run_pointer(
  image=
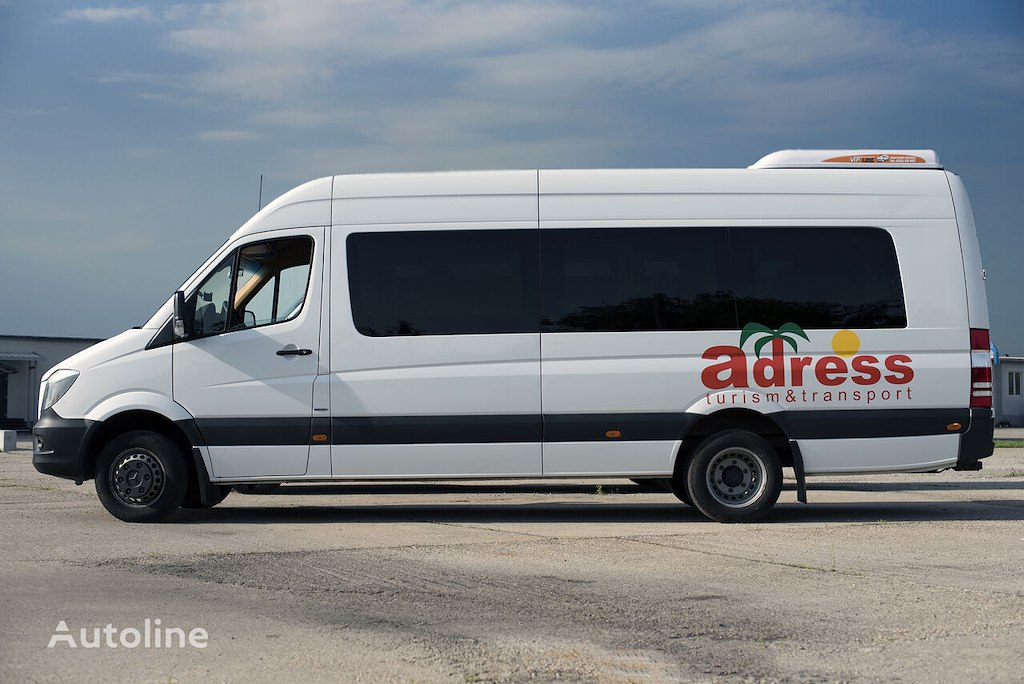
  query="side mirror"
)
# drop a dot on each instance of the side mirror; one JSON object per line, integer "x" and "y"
{"x": 179, "y": 328}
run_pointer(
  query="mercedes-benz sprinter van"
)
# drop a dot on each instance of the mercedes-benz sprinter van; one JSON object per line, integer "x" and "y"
{"x": 821, "y": 310}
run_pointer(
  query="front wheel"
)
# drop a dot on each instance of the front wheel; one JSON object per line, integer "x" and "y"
{"x": 734, "y": 476}
{"x": 141, "y": 477}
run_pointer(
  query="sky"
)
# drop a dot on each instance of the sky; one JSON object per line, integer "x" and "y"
{"x": 133, "y": 135}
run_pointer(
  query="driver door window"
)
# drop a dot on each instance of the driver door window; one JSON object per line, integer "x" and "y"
{"x": 269, "y": 286}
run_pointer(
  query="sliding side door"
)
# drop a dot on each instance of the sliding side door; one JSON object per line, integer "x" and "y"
{"x": 435, "y": 353}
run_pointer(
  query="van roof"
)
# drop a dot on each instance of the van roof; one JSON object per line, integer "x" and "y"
{"x": 404, "y": 194}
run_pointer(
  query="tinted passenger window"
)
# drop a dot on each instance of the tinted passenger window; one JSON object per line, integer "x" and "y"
{"x": 817, "y": 277}
{"x": 444, "y": 282}
{"x": 619, "y": 279}
{"x": 622, "y": 279}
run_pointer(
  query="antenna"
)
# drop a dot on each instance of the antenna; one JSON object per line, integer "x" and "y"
{"x": 259, "y": 202}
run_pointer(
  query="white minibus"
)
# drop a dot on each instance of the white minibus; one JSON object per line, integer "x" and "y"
{"x": 822, "y": 311}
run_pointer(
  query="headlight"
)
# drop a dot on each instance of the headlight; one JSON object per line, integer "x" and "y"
{"x": 55, "y": 386}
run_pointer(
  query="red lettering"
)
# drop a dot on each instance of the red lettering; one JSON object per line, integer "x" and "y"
{"x": 865, "y": 365}
{"x": 830, "y": 370}
{"x": 899, "y": 365}
{"x": 796, "y": 368}
{"x": 776, "y": 363}
{"x": 729, "y": 373}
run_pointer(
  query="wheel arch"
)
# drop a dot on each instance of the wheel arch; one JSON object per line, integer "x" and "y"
{"x": 734, "y": 419}
{"x": 100, "y": 433}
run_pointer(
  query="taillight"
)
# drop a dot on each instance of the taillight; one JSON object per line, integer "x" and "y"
{"x": 981, "y": 369}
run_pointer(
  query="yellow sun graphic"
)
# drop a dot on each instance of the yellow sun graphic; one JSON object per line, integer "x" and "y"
{"x": 845, "y": 343}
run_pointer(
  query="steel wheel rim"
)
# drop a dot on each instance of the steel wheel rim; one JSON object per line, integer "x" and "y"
{"x": 736, "y": 477}
{"x": 137, "y": 478}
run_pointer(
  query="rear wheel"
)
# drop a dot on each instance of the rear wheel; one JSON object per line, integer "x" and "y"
{"x": 141, "y": 477}
{"x": 733, "y": 476}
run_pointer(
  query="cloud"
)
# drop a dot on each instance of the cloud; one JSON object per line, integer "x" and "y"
{"x": 130, "y": 77}
{"x": 300, "y": 117}
{"x": 412, "y": 73}
{"x": 33, "y": 111}
{"x": 446, "y": 155}
{"x": 109, "y": 15}
{"x": 228, "y": 136}
{"x": 273, "y": 49}
{"x": 374, "y": 28}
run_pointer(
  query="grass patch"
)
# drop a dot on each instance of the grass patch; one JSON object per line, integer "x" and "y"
{"x": 1009, "y": 443}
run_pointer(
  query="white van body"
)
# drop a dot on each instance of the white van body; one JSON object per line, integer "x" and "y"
{"x": 325, "y": 391}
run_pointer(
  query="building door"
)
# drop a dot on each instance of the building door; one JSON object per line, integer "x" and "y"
{"x": 3, "y": 393}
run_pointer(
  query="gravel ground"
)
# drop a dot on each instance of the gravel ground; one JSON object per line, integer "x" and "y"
{"x": 916, "y": 578}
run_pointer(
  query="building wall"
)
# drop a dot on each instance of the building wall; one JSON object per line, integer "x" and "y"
{"x": 1007, "y": 407}
{"x": 23, "y": 386}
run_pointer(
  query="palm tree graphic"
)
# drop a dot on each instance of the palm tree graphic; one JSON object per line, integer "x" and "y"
{"x": 782, "y": 334}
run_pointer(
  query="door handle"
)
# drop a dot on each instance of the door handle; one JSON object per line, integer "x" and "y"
{"x": 294, "y": 352}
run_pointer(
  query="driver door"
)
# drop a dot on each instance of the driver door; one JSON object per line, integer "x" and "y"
{"x": 246, "y": 372}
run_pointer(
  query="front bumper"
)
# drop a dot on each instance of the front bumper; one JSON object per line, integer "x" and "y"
{"x": 57, "y": 446}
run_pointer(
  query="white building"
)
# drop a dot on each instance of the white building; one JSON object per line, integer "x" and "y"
{"x": 23, "y": 360}
{"x": 1007, "y": 399}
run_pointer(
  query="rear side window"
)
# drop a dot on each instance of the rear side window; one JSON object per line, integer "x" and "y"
{"x": 845, "y": 277}
{"x": 607, "y": 280}
{"x": 444, "y": 282}
{"x": 618, "y": 279}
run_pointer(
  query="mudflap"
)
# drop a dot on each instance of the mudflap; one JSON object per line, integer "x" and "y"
{"x": 798, "y": 471}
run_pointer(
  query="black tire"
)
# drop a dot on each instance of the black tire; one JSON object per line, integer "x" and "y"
{"x": 734, "y": 476}
{"x": 141, "y": 477}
